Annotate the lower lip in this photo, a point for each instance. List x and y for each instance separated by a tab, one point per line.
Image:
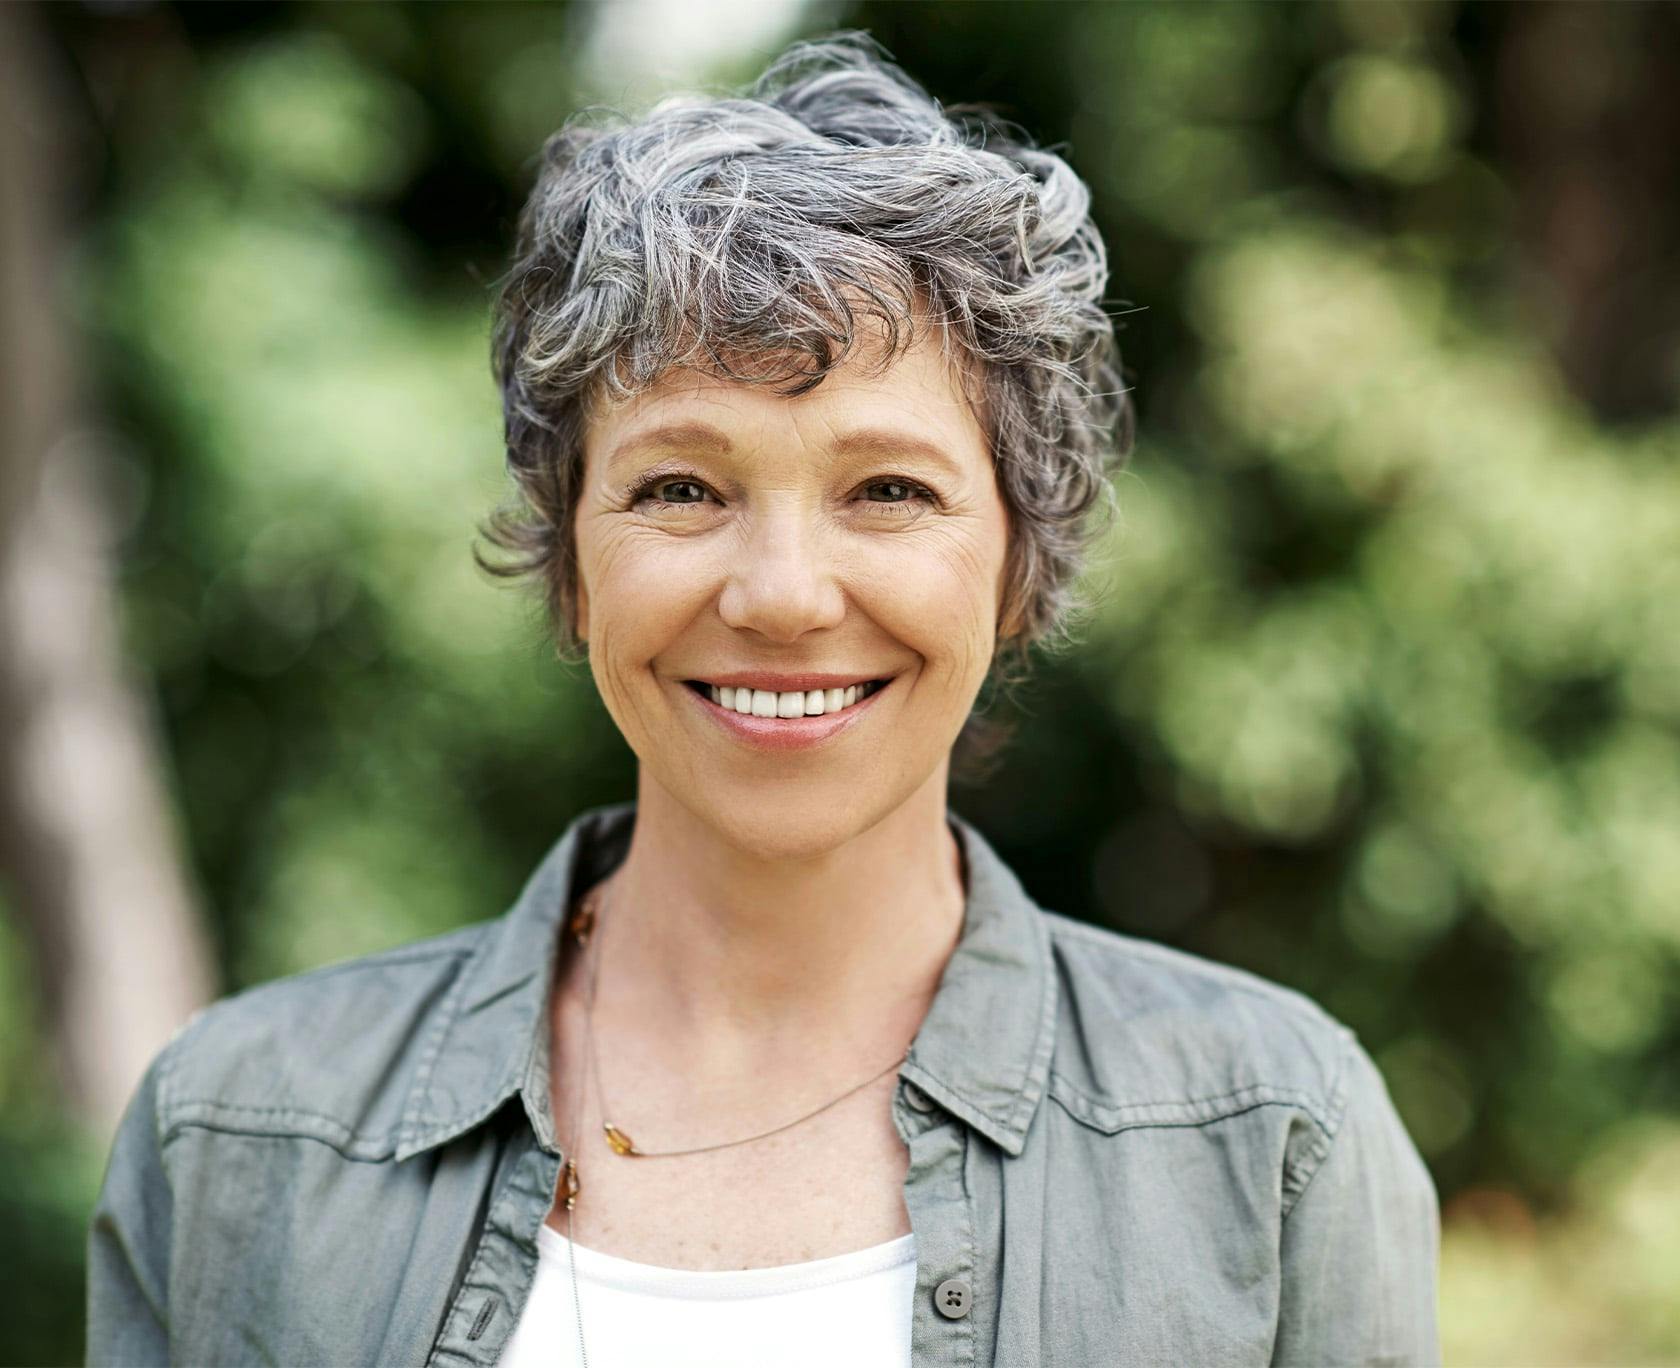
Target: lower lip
784	733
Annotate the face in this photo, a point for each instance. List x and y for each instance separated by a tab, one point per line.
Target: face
853	536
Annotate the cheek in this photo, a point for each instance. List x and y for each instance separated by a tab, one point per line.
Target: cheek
644	581
643	593
939	596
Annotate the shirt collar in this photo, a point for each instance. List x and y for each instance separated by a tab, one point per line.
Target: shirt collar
982	1052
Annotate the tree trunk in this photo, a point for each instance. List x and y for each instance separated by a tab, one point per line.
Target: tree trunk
88	844
1589	128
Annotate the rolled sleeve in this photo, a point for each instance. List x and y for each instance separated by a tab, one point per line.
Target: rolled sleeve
1360	1243
129	1241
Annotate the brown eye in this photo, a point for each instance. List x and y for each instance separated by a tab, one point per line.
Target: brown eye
901	490
666	491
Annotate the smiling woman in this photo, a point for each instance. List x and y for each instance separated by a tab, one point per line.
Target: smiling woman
810	397
785	546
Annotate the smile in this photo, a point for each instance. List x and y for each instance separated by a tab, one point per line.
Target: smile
785	703
785	719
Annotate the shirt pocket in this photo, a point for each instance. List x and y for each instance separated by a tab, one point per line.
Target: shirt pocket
1174	1206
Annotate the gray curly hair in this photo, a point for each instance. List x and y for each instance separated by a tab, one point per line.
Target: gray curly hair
749	236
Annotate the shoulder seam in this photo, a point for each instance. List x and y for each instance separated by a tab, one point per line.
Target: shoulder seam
1238	980
378	960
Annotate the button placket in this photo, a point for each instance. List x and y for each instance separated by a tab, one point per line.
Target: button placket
942	1330
503	1266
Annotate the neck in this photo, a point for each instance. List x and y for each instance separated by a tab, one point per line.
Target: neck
747	961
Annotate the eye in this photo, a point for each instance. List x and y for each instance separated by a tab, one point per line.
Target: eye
669	491
689	491
900	497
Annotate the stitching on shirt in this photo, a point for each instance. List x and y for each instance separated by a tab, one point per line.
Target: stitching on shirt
970	1245
470	1116
217	1105
176	1114
1043	1045
1197	1125
1188	1123
982	1115
448	1011
1119	1113
461	1120
357	1151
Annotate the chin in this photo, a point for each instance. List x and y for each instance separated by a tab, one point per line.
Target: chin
798	821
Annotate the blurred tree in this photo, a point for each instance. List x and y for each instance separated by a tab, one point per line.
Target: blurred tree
87	841
1588	125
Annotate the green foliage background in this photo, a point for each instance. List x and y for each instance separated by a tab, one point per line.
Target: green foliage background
1381	697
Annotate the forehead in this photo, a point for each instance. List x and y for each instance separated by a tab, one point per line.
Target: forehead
920	393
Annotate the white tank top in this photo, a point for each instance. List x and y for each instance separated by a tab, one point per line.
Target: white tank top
826	1313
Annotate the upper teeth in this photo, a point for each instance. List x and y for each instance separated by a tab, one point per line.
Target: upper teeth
798	703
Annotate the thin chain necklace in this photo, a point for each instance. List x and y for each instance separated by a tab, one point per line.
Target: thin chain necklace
583	927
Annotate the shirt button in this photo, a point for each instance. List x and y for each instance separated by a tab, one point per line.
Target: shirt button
952	1298
918	1100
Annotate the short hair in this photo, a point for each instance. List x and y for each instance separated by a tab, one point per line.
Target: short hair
749	235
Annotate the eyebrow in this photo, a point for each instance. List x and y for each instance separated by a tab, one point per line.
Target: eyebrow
888	442
865	441
690	436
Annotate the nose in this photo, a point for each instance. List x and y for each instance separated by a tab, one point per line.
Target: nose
783	582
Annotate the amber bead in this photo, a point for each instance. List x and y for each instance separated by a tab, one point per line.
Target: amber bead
621	1143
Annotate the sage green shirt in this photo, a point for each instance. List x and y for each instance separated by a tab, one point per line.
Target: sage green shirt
1119	1154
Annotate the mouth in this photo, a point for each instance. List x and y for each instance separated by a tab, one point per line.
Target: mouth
786	704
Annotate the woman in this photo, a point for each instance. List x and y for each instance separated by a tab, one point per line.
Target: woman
809	395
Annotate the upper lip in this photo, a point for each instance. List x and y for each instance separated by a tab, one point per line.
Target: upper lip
772	681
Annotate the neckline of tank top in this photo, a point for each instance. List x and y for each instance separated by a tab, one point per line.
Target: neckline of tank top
710	1284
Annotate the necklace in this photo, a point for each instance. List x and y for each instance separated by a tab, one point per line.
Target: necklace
583	926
